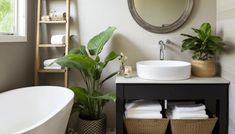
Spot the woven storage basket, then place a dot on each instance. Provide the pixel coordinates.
(202, 126)
(146, 126)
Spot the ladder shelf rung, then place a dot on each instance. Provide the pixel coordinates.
(51, 45)
(53, 22)
(52, 71)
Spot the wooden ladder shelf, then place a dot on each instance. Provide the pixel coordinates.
(65, 46)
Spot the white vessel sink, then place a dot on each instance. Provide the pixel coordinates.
(163, 70)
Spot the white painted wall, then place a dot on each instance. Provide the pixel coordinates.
(226, 28)
(90, 17)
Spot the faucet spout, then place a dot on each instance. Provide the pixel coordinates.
(162, 49)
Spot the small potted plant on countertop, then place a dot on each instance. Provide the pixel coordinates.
(204, 47)
(89, 101)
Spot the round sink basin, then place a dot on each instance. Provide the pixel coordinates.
(163, 70)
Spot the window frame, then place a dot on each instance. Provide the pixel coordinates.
(20, 24)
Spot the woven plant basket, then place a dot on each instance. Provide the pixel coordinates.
(204, 68)
(92, 126)
(146, 126)
(201, 126)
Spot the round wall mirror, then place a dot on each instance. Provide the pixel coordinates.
(160, 16)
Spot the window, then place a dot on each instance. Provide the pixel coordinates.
(13, 21)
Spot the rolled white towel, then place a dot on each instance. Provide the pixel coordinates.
(53, 67)
(49, 62)
(144, 116)
(58, 39)
(144, 105)
(189, 108)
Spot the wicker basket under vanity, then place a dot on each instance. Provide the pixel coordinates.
(199, 126)
(146, 126)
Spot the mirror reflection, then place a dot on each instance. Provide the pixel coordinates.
(160, 12)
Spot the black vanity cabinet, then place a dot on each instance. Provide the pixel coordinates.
(212, 91)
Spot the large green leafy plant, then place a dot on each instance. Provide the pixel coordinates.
(204, 45)
(90, 100)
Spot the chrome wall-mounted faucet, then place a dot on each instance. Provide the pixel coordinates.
(162, 49)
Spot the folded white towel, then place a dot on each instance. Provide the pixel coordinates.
(141, 112)
(189, 108)
(49, 62)
(144, 105)
(58, 39)
(188, 116)
(53, 67)
(194, 112)
(144, 116)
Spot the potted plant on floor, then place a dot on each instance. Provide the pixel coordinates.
(90, 100)
(204, 47)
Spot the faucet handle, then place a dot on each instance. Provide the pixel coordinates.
(162, 44)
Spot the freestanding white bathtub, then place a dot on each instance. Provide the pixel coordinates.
(35, 110)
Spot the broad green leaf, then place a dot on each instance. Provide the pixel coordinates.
(206, 28)
(108, 77)
(65, 62)
(112, 55)
(76, 61)
(216, 39)
(104, 96)
(200, 33)
(81, 95)
(84, 60)
(188, 44)
(97, 43)
(187, 35)
(81, 50)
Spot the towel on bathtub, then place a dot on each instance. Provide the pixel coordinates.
(58, 39)
(144, 105)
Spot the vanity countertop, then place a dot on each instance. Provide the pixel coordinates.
(193, 80)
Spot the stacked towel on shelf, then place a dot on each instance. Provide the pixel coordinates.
(194, 111)
(48, 64)
(143, 109)
(58, 39)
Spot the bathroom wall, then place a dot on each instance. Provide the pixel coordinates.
(92, 16)
(226, 28)
(17, 59)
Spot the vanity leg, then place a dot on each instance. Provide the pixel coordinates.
(223, 116)
(120, 129)
(119, 116)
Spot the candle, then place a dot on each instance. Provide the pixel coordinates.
(127, 71)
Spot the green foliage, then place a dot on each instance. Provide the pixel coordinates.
(90, 101)
(204, 45)
(6, 16)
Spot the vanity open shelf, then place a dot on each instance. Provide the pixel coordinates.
(212, 91)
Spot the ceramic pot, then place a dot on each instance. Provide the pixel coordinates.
(204, 68)
(92, 126)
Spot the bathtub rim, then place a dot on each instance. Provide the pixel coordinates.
(52, 114)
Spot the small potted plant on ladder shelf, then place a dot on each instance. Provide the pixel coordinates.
(90, 100)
